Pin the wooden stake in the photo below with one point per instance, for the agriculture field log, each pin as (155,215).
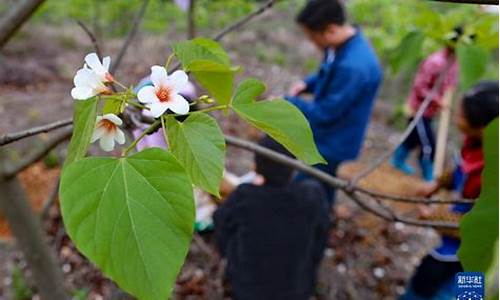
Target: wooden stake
(442,135)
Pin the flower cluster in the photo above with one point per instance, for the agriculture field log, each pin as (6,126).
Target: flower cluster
(163,94)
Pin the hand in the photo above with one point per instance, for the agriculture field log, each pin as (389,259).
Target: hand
(428,189)
(424,211)
(297,88)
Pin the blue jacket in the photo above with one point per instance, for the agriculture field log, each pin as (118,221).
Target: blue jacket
(344,91)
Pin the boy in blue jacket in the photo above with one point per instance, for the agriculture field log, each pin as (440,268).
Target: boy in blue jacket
(343,89)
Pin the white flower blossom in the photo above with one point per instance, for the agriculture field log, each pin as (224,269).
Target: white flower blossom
(93,63)
(87,85)
(164,94)
(92,78)
(108,132)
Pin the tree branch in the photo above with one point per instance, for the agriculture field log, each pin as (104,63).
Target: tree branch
(12,137)
(92,38)
(30,238)
(420,112)
(37,154)
(393,217)
(332,181)
(236,25)
(15,18)
(130,36)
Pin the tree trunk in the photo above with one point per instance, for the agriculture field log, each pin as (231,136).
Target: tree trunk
(30,238)
(15,18)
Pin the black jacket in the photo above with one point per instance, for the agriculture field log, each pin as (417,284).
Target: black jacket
(273,238)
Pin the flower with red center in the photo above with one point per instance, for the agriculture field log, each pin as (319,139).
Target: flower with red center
(92,78)
(93,63)
(164,93)
(107,132)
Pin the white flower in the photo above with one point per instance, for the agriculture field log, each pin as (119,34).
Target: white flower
(106,129)
(87,85)
(92,78)
(93,63)
(164,94)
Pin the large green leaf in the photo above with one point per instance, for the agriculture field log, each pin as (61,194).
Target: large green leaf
(278,118)
(132,216)
(479,227)
(84,117)
(407,52)
(472,60)
(198,143)
(210,64)
(200,49)
(216,78)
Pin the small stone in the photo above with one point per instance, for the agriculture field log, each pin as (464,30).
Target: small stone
(379,272)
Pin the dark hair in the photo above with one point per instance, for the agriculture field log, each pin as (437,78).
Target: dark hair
(480,104)
(318,14)
(273,172)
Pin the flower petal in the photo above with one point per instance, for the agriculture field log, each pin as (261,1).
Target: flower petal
(178,105)
(147,94)
(98,133)
(178,80)
(113,118)
(107,142)
(82,77)
(94,63)
(158,76)
(119,136)
(82,93)
(106,62)
(157,109)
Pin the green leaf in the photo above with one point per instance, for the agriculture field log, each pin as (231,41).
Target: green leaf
(200,49)
(472,60)
(279,119)
(84,118)
(479,227)
(407,52)
(198,144)
(216,78)
(210,65)
(113,106)
(132,216)
(248,90)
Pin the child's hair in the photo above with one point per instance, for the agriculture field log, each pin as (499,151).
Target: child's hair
(318,14)
(273,172)
(480,104)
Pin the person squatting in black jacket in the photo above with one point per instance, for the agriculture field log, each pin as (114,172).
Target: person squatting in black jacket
(274,234)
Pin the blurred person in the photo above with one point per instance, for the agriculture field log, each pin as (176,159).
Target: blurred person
(422,136)
(343,89)
(273,234)
(434,278)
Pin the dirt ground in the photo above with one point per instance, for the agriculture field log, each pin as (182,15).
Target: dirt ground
(367,258)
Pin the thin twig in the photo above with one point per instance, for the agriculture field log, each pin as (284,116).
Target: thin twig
(420,113)
(393,217)
(38,154)
(12,137)
(92,38)
(410,199)
(51,199)
(236,25)
(130,36)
